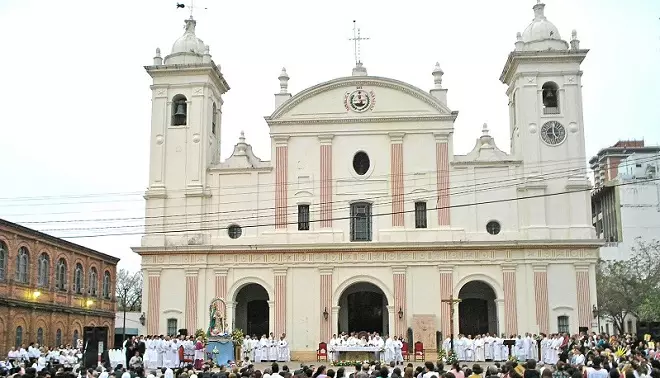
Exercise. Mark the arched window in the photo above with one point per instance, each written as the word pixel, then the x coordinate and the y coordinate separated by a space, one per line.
pixel 22 264
pixel 93 281
pixel 550 95
pixel 19 336
pixel 179 110
pixel 215 117
pixel 75 338
pixel 43 270
pixel 60 275
pixel 58 338
pixel 3 261
pixel 78 279
pixel 40 336
pixel 106 284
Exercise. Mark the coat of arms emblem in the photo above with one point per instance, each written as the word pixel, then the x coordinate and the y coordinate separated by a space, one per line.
pixel 359 100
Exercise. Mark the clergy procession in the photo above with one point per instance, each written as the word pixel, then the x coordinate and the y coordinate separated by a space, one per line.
pixel 155 352
pixel 489 347
pixel 266 349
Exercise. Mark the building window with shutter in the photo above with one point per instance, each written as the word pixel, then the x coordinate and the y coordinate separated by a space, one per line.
pixel 303 217
pixel 172 327
pixel 420 214
pixel 361 221
pixel 562 324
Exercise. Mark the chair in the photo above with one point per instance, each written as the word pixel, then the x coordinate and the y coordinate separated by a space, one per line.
pixel 183 361
pixel 419 351
pixel 322 352
pixel 404 351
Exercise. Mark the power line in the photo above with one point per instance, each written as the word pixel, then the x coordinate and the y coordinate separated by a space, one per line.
pixel 545 195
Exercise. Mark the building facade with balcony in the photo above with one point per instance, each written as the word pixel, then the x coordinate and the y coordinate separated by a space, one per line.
pixel 51 288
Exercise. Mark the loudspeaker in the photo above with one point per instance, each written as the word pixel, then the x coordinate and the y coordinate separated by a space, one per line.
pixel 183 332
pixel 95 341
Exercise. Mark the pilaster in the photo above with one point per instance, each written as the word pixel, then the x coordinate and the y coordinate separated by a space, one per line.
pixel 153 301
pixel 583 290
pixel 325 295
pixel 396 179
pixel 510 308
pixel 446 291
pixel 280 300
pixel 281 181
pixel 399 278
pixel 221 282
pixel 541 296
pixel 192 292
pixel 326 180
pixel 442 177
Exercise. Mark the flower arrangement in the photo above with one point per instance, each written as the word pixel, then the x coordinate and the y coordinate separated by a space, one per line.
pixel 215 351
pixel 513 358
pixel 237 337
pixel 442 354
pixel 348 363
pixel 451 357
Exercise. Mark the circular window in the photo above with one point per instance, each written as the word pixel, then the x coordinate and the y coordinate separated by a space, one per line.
pixel 493 227
pixel 234 231
pixel 361 163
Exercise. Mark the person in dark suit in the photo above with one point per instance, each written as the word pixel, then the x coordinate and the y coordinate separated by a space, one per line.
pixel 141 346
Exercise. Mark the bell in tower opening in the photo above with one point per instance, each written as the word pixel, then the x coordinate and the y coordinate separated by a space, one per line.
pixel 179 110
pixel 550 96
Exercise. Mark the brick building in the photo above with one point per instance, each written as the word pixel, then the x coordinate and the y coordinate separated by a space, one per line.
pixel 51 288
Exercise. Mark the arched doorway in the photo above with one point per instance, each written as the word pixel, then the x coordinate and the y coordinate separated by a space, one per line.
pixel 363 307
pixel 477 311
pixel 252 310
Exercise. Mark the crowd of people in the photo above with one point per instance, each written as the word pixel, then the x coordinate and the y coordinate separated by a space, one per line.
pixel 266 349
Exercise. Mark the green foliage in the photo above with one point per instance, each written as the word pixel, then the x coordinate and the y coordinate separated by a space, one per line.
pixel 631 286
pixel 451 357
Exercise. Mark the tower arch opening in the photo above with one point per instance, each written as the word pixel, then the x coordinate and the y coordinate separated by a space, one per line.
pixel 477 311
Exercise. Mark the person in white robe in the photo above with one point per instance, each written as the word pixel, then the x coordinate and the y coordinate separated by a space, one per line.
pixel 167 354
pixel 262 350
pixel 332 348
pixel 527 346
pixel 460 345
pixel 389 350
pixel 283 353
pixel 488 347
pixel 160 350
pixel 446 345
pixel 272 348
pixel 151 358
pixel 254 344
pixel 544 348
pixel 469 349
pixel 174 352
pixel 520 353
pixel 479 352
pixel 380 344
pixel 398 355
pixel 245 348
pixel 497 349
pixel 535 348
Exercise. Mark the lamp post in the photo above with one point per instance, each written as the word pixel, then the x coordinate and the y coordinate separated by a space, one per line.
pixel 451 301
pixel 596 313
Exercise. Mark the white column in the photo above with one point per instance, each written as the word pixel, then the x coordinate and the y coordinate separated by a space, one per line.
pixel 500 315
pixel 335 320
pixel 231 314
pixel 390 317
pixel 271 316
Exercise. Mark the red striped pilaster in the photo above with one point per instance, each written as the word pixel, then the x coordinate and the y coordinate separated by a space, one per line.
pixel 280 301
pixel 510 310
pixel 396 179
pixel 399 277
pixel 153 294
pixel 325 296
pixel 442 173
pixel 281 183
pixel 583 295
pixel 446 290
pixel 326 182
pixel 221 283
pixel 541 297
pixel 191 300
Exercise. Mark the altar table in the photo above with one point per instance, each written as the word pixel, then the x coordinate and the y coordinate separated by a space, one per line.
pixel 355 353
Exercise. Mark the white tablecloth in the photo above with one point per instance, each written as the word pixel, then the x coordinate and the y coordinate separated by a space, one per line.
pixel 336 350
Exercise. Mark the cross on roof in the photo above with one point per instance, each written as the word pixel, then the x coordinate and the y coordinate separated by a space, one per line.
pixel 357 38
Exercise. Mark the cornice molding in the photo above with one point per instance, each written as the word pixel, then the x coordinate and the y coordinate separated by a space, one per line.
pixel 280 271
pixel 352 120
pixel 325 271
pixel 221 271
pixel 396 138
pixel 326 139
pixel 446 269
pixel 399 269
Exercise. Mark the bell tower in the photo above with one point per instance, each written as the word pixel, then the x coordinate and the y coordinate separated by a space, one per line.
pixel 543 78
pixel 186 114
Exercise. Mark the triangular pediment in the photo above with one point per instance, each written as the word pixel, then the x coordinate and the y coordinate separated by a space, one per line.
pixel 360 97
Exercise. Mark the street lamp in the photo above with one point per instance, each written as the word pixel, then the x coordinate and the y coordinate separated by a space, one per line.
pixel 596 312
pixel 400 313
pixel 142 319
pixel 325 313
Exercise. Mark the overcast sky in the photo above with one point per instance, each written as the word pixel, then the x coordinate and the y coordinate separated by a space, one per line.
pixel 75 99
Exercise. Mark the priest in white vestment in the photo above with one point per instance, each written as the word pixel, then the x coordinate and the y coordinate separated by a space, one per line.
pixel 488 347
pixel 479 352
pixel 245 348
pixel 398 355
pixel 283 352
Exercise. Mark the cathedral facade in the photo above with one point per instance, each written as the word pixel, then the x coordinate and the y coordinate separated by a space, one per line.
pixel 366 219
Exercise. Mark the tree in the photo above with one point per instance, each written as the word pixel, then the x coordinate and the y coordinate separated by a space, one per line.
pixel 630 287
pixel 128 290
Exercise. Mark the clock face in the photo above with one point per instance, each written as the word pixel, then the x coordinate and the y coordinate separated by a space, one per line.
pixel 553 133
